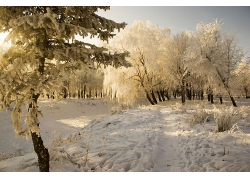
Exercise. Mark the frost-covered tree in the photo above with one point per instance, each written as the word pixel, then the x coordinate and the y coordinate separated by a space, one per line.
pixel 242 81
pixel 44 51
pixel 214 55
pixel 82 83
pixel 145 42
pixel 175 55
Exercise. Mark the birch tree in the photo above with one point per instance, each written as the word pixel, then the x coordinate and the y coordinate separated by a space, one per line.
pixel 175 56
pixel 214 55
pixel 44 50
pixel 145 43
pixel 242 80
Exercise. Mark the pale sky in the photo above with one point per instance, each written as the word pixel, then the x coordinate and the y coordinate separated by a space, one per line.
pixel 234 18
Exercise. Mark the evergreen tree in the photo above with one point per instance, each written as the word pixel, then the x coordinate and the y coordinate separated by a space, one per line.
pixel 45 50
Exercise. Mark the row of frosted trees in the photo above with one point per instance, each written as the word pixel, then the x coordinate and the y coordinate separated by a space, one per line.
pixel 188 64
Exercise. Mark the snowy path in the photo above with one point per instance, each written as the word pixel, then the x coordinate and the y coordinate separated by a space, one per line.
pixel 182 148
pixel 168 158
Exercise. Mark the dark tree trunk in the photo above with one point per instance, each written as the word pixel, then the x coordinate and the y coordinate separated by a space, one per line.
pixel 183 98
pixel 167 96
pixel 162 95
pixel 174 94
pixel 90 93
pixel 79 93
pixel 212 98
pixel 189 96
pixel 245 89
pixel 233 101
pixel 84 91
pixel 149 99
pixel 210 95
pixel 153 96
pixel 41 151
pixel 64 93
pixel 183 93
pixel 159 96
pixel 221 102
pixel 201 95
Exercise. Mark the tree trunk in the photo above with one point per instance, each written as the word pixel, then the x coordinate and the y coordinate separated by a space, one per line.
pixel 167 96
pixel 212 98
pixel 159 96
pixel 64 93
pixel 174 94
pixel 183 93
pixel 153 96
pixel 149 99
pixel 245 89
pixel 231 97
pixel 90 93
pixel 79 93
pixel 189 96
pixel 41 151
pixel 84 91
pixel 199 94
pixel 233 101
pixel 221 100
pixel 162 95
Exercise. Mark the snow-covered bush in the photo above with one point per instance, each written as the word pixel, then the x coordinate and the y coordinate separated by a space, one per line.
pixel 117 107
pixel 225 118
pixel 199 117
pixel 56 143
pixel 244 112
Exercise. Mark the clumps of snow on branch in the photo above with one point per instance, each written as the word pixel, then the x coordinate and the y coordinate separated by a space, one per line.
pixel 16 117
pixel 31 120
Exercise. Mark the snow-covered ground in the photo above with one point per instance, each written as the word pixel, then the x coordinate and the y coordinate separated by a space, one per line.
pixel 85 135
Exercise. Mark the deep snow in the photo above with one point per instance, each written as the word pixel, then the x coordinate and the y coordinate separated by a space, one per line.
pixel 85 135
